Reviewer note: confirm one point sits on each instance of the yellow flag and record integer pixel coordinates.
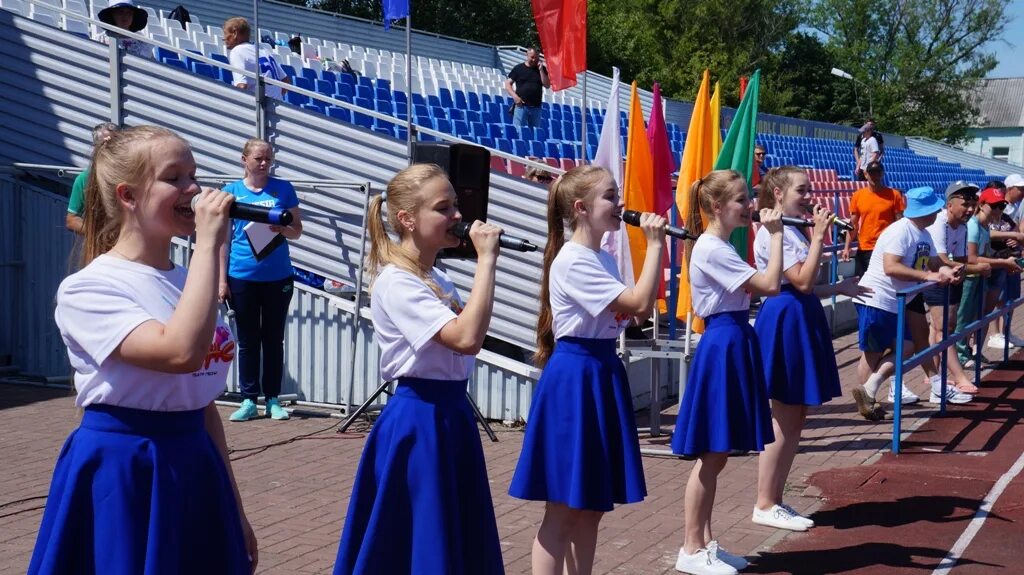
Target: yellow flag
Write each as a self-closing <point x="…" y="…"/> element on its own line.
<point x="697" y="160"/>
<point x="639" y="180"/>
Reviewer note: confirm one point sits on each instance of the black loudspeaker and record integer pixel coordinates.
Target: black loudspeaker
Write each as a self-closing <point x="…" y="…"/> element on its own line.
<point x="469" y="171"/>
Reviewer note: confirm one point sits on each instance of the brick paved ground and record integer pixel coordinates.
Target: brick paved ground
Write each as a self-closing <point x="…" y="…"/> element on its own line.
<point x="296" y="493"/>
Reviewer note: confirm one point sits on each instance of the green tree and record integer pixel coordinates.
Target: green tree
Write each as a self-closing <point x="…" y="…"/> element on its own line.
<point x="920" y="59"/>
<point x="491" y="22"/>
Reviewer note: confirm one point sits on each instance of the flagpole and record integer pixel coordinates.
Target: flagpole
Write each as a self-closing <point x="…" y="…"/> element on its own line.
<point x="673" y="275"/>
<point x="410" y="137"/>
<point x="583" y="144"/>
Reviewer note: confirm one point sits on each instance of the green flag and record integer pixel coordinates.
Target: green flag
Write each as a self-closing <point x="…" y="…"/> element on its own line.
<point x="738" y="152"/>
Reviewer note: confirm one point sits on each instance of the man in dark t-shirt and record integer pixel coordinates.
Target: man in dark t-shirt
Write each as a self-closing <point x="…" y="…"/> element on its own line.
<point x="529" y="78"/>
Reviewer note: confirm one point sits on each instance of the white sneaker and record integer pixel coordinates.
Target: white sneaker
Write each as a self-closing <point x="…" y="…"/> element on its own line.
<point x="778" y="517"/>
<point x="997" y="341"/>
<point x="907" y="395"/>
<point x="953" y="395"/>
<point x="735" y="561"/>
<point x="807" y="520"/>
<point x="703" y="562"/>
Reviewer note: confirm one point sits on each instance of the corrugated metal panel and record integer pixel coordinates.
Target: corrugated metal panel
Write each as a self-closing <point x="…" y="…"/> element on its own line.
<point x="291" y="19"/>
<point x="1001" y="102"/>
<point x="56" y="88"/>
<point x="945" y="153"/>
<point x="34" y="236"/>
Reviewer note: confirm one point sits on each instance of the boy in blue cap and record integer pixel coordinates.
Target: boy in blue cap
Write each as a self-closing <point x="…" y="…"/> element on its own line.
<point x="904" y="255"/>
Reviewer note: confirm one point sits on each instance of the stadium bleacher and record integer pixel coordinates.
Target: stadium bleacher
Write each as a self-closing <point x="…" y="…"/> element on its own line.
<point x="468" y="101"/>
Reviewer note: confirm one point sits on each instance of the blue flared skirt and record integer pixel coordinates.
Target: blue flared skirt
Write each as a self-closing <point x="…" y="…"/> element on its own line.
<point x="796" y="346"/>
<point x="421" y="502"/>
<point x="581" y="446"/>
<point x="140" y="492"/>
<point x="725" y="405"/>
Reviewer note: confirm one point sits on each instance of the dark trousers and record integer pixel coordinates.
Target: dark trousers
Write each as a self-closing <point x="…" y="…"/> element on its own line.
<point x="260" y="312"/>
<point x="861" y="260"/>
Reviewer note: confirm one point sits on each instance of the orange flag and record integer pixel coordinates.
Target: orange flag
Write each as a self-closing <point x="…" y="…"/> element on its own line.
<point x="696" y="163"/>
<point x="639" y="181"/>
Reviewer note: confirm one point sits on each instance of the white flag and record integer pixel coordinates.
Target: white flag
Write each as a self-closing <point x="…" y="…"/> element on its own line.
<point x="609" y="156"/>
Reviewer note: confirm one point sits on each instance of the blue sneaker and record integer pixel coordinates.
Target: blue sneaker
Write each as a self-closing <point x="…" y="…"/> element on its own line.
<point x="246" y="412"/>
<point x="275" y="410"/>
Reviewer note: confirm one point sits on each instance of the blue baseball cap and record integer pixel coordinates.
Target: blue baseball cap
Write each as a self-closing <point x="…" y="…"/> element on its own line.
<point x="923" y="201"/>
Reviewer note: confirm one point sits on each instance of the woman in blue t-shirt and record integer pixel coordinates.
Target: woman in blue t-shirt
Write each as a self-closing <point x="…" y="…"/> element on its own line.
<point x="258" y="280"/>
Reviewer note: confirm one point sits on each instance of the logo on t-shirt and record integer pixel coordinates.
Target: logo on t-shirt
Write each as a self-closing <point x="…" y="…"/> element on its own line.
<point x="922" y="256"/>
<point x="221" y="350"/>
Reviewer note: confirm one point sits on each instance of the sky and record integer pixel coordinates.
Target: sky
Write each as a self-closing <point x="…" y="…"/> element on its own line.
<point x="1010" y="62"/>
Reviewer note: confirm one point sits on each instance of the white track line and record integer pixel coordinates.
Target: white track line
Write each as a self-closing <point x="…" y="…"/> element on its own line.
<point x="947" y="564"/>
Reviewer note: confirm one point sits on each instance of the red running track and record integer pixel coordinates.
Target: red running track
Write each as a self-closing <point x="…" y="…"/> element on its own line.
<point x="903" y="514"/>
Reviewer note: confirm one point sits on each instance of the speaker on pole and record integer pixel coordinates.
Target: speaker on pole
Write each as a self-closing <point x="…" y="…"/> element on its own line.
<point x="469" y="170"/>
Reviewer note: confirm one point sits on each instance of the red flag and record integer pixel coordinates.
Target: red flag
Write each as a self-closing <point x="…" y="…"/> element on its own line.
<point x="661" y="154"/>
<point x="562" y="27"/>
<point x="743" y="86"/>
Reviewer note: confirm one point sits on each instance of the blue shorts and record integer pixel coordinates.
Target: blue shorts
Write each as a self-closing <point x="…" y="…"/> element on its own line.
<point x="996" y="281"/>
<point x="1011" y="288"/>
<point x="936" y="296"/>
<point x="878" y="329"/>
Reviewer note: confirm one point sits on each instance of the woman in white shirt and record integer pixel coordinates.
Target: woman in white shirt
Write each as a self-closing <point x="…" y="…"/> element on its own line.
<point x="581" y="454"/>
<point x="144" y="485"/>
<point x="725" y="405"/>
<point x="421" y="502"/>
<point x="796" y="342"/>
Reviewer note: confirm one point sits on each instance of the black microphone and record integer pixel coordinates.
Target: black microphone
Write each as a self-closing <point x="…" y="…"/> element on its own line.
<point x="251" y="213"/>
<point x="836" y="220"/>
<point x="632" y="217"/>
<point x="787" y="221"/>
<point x="506" y="241"/>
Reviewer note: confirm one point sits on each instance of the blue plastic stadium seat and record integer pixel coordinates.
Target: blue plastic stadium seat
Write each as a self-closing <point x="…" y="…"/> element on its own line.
<point x="536" y="149"/>
<point x="569" y="150"/>
<point x="418" y="99"/>
<point x="526" y="133"/>
<point x="383" y="84"/>
<point x="364" y="81"/>
<point x="473" y="101"/>
<point x="384" y="107"/>
<point x="364" y="103"/>
<point x="438" y="112"/>
<point x="364" y="92"/>
<point x="362" y="120"/>
<point x="382" y="94"/>
<point x="224" y="59"/>
<point x="434" y="101"/>
<point x="552" y="150"/>
<point x="316" y="105"/>
<point x="343" y="89"/>
<point x="540" y="134"/>
<point x="556" y="131"/>
<point x="384" y="131"/>
<point x="338" y="113"/>
<point x="461" y="128"/>
<point x="304" y="83"/>
<point x="505" y="145"/>
<point x="163" y="54"/>
<point x="479" y="130"/>
<point x="443" y="125"/>
<point x="456" y="114"/>
<point x="329" y="76"/>
<point x="420" y="110"/>
<point x="445" y="95"/>
<point x="296" y="98"/>
<point x="205" y="70"/>
<point x="399" y="98"/>
<point x="460" y="100"/>
<point x="309" y="73"/>
<point x="473" y="116"/>
<point x="486" y="142"/>
<point x="521" y="147"/>
<point x="495" y="131"/>
<point x="324" y="87"/>
<point x="511" y="132"/>
<point x="175" y="63"/>
<point x="346" y="78"/>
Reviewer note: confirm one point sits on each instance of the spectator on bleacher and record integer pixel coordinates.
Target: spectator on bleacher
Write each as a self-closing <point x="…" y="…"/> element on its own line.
<point x="759" y="168"/>
<point x="258" y="281"/>
<point x="1007" y="240"/>
<point x="529" y="80"/>
<point x="872" y="209"/>
<point x="295" y="45"/>
<point x="870" y="151"/>
<point x="860" y="137"/>
<point x="904" y="256"/>
<point x="949" y="232"/>
<point x="991" y="203"/>
<point x="242" y="54"/>
<point x="76" y="201"/>
<point x="539" y="175"/>
<point x="125" y="14"/>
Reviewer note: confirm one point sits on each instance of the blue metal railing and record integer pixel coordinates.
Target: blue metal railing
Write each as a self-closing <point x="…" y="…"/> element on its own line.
<point x="978" y="325"/>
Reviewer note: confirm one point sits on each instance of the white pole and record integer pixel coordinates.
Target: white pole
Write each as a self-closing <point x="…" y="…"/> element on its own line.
<point x="410" y="137"/>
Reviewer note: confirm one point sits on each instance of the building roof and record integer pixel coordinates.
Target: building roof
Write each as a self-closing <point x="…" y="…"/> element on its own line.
<point x="1001" y="103"/>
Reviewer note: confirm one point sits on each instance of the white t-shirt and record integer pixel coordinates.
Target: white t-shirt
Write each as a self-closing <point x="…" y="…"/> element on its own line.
<point x="716" y="275"/>
<point x="868" y="149"/>
<point x="794" y="248"/>
<point x="582" y="284"/>
<point x="244" y="56"/>
<point x="100" y="305"/>
<point x="947" y="240"/>
<point x="915" y="248"/>
<point x="406" y="317"/>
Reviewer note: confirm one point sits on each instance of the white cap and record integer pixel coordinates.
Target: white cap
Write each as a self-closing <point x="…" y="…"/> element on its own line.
<point x="1014" y="181"/>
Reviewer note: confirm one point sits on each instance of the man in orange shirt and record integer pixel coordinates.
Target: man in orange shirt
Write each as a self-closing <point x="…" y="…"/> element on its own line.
<point x="872" y="209"/>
